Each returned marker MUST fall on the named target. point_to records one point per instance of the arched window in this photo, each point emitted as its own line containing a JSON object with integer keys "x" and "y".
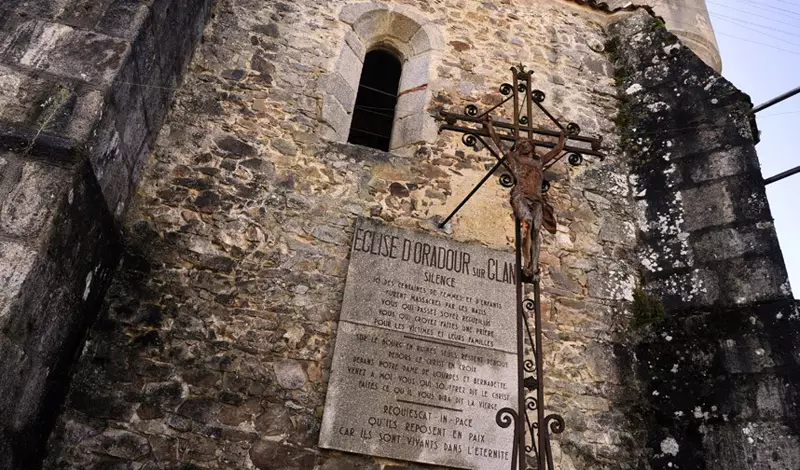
{"x": 391, "y": 48}
{"x": 373, "y": 113}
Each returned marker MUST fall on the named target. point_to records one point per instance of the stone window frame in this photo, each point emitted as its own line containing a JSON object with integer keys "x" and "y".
{"x": 416, "y": 41}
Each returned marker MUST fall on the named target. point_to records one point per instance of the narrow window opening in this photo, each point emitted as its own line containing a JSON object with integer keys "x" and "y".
{"x": 373, "y": 115}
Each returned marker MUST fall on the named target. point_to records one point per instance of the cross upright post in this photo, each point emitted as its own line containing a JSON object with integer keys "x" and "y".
{"x": 478, "y": 127}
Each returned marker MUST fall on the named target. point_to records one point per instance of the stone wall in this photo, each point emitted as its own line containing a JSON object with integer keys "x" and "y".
{"x": 84, "y": 88}
{"x": 721, "y": 370}
{"x": 214, "y": 350}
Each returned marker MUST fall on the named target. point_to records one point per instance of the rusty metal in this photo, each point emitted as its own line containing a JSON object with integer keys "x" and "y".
{"x": 780, "y": 176}
{"x": 530, "y": 372}
{"x": 775, "y": 101}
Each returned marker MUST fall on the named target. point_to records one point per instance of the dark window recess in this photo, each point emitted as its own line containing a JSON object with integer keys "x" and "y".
{"x": 373, "y": 114}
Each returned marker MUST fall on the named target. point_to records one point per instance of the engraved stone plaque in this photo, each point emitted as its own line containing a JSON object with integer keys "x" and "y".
{"x": 425, "y": 353}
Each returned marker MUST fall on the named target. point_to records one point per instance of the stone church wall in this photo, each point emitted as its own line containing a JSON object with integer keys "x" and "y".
{"x": 720, "y": 370}
{"x": 214, "y": 349}
{"x": 84, "y": 88}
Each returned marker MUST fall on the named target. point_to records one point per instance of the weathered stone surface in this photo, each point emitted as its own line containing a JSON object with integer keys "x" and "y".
{"x": 290, "y": 374}
{"x": 31, "y": 200}
{"x": 16, "y": 260}
{"x": 63, "y": 50}
{"x": 719, "y": 368}
{"x": 50, "y": 310}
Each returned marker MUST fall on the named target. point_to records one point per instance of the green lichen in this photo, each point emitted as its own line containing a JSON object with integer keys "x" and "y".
{"x": 646, "y": 309}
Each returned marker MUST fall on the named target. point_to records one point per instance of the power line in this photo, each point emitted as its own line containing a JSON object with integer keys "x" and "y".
{"x": 796, "y": 25}
{"x": 721, "y": 33}
{"x": 770, "y": 7}
{"x": 771, "y": 28}
{"x": 759, "y": 43}
{"x": 739, "y": 23}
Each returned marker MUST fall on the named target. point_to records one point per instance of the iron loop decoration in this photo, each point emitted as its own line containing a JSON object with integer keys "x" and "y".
{"x": 523, "y": 120}
{"x": 575, "y": 159}
{"x": 556, "y": 423}
{"x": 522, "y": 88}
{"x": 532, "y": 404}
{"x": 529, "y": 304}
{"x": 470, "y": 141}
{"x": 538, "y": 96}
{"x": 545, "y": 186}
{"x": 529, "y": 366}
{"x": 471, "y": 110}
{"x": 506, "y": 417}
{"x": 507, "y": 180}
{"x": 506, "y": 89}
{"x": 573, "y": 128}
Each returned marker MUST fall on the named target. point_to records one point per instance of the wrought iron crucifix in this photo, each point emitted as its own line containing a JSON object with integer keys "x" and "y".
{"x": 481, "y": 127}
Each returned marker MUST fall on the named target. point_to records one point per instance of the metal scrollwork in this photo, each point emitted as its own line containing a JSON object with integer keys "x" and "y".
{"x": 556, "y": 423}
{"x": 507, "y": 180}
{"x": 506, "y": 89}
{"x": 573, "y": 129}
{"x": 471, "y": 110}
{"x": 506, "y": 417}
{"x": 529, "y": 366}
{"x": 575, "y": 159}
{"x": 538, "y": 96}
{"x": 469, "y": 140}
{"x": 545, "y": 186}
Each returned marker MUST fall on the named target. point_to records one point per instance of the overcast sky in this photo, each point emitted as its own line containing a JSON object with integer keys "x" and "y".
{"x": 760, "y": 45}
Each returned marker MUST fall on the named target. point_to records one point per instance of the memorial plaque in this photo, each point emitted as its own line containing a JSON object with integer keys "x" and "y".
{"x": 425, "y": 353}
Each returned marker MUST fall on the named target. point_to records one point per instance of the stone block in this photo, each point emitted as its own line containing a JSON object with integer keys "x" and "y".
{"x": 336, "y": 85}
{"x": 354, "y": 11}
{"x": 413, "y": 129}
{"x": 352, "y": 40}
{"x": 416, "y": 71}
{"x": 123, "y": 18}
{"x": 349, "y": 66}
{"x": 64, "y": 51}
{"x": 32, "y": 199}
{"x": 708, "y": 206}
{"x": 618, "y": 231}
{"x": 39, "y": 103}
{"x": 727, "y": 243}
{"x": 697, "y": 288}
{"x": 412, "y": 103}
{"x": 335, "y": 115}
{"x": 766, "y": 445}
{"x": 16, "y": 260}
{"x": 428, "y": 38}
{"x": 82, "y": 14}
{"x": 720, "y": 164}
{"x": 405, "y": 22}
{"x": 752, "y": 280}
{"x": 269, "y": 455}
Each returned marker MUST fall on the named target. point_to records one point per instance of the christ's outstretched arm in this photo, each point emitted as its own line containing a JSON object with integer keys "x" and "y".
{"x": 562, "y": 142}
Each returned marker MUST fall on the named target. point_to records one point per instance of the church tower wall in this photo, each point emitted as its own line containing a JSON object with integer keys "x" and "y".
{"x": 216, "y": 347}
{"x": 690, "y": 21}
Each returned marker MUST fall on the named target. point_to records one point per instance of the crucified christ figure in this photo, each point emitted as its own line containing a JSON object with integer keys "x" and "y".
{"x": 530, "y": 205}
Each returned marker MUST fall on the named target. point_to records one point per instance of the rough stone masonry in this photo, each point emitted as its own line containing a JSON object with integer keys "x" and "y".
{"x": 84, "y": 88}
{"x": 214, "y": 345}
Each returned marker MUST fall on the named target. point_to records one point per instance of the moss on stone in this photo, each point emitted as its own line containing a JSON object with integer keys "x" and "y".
{"x": 647, "y": 309}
